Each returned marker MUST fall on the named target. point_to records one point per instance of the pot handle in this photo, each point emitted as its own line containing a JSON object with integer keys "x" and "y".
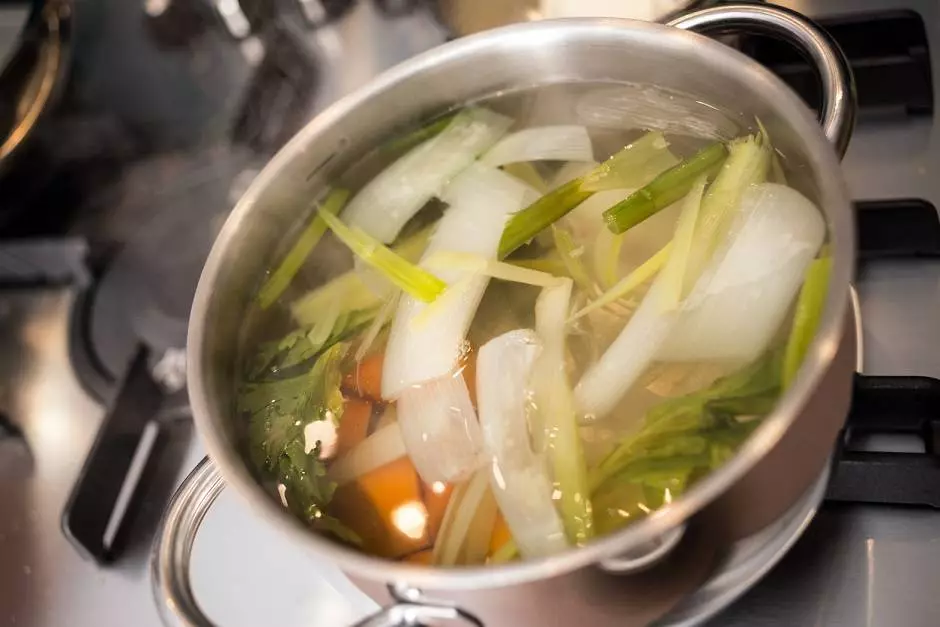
{"x": 837, "y": 113}
{"x": 173, "y": 547}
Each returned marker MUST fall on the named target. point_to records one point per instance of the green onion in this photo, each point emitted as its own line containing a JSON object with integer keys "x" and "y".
{"x": 414, "y": 280}
{"x": 281, "y": 278}
{"x": 809, "y": 306}
{"x": 629, "y": 167}
{"x": 665, "y": 189}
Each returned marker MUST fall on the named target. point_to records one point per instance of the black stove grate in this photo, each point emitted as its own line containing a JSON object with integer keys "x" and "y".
{"x": 903, "y": 406}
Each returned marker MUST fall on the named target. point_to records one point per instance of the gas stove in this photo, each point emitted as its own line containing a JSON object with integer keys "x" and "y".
{"x": 94, "y": 427}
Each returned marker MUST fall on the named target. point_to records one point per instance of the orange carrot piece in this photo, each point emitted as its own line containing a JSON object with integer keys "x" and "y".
{"x": 354, "y": 425}
{"x": 366, "y": 379}
{"x": 395, "y": 492}
{"x": 436, "y": 497}
{"x": 501, "y": 534}
{"x": 421, "y": 557}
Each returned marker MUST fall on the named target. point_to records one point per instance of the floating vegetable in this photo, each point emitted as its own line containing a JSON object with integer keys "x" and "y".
{"x": 281, "y": 277}
{"x": 557, "y": 416}
{"x": 388, "y": 201}
{"x": 665, "y": 189}
{"x": 541, "y": 143}
{"x": 519, "y": 478}
{"x": 809, "y": 308}
{"x": 417, "y": 282}
{"x": 631, "y": 167}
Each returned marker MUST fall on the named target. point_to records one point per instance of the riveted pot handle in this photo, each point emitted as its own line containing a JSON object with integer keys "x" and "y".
{"x": 173, "y": 547}
{"x": 413, "y": 608}
{"x": 169, "y": 560}
{"x": 837, "y": 113}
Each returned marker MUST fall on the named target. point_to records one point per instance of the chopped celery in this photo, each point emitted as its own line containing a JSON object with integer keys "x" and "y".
{"x": 646, "y": 271}
{"x": 551, "y": 264}
{"x": 551, "y": 207}
{"x": 571, "y": 256}
{"x": 423, "y": 133}
{"x": 665, "y": 189}
{"x": 478, "y": 264}
{"x": 809, "y": 306}
{"x": 412, "y": 279}
{"x": 281, "y": 277}
{"x": 557, "y": 415}
{"x": 674, "y": 273}
{"x": 630, "y": 167}
{"x": 748, "y": 164}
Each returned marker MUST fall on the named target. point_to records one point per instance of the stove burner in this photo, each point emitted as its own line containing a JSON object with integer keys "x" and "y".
{"x": 892, "y": 405}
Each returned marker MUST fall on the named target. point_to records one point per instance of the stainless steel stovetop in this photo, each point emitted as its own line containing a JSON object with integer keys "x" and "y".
{"x": 856, "y": 565}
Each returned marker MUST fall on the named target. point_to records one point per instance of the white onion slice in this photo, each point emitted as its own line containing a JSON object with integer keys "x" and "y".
{"x": 389, "y": 200}
{"x": 447, "y": 548}
{"x": 541, "y": 143}
{"x": 481, "y": 200}
{"x": 735, "y": 307}
{"x": 733, "y": 314}
{"x": 440, "y": 430}
{"x": 519, "y": 478}
{"x": 385, "y": 445}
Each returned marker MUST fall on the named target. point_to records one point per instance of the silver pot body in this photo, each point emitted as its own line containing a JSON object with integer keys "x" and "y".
{"x": 511, "y": 58}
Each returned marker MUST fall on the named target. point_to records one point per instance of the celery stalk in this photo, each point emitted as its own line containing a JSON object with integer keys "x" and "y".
{"x": 281, "y": 277}
{"x": 682, "y": 242}
{"x": 809, "y": 306}
{"x": 748, "y": 164}
{"x": 630, "y": 167}
{"x": 557, "y": 414}
{"x": 548, "y": 209}
{"x": 665, "y": 189}
{"x": 412, "y": 279}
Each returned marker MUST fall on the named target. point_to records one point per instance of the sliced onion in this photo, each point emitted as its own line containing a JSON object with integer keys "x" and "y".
{"x": 389, "y": 200}
{"x": 447, "y": 548}
{"x": 734, "y": 312}
{"x": 519, "y": 479}
{"x": 541, "y": 143}
{"x": 385, "y": 445}
{"x": 481, "y": 200}
{"x": 477, "y": 543}
{"x": 440, "y": 430}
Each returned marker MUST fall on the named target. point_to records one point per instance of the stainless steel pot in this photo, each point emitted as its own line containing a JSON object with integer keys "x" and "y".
{"x": 515, "y": 56}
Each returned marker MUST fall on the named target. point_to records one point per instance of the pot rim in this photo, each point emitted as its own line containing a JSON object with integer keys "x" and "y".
{"x": 833, "y": 192}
